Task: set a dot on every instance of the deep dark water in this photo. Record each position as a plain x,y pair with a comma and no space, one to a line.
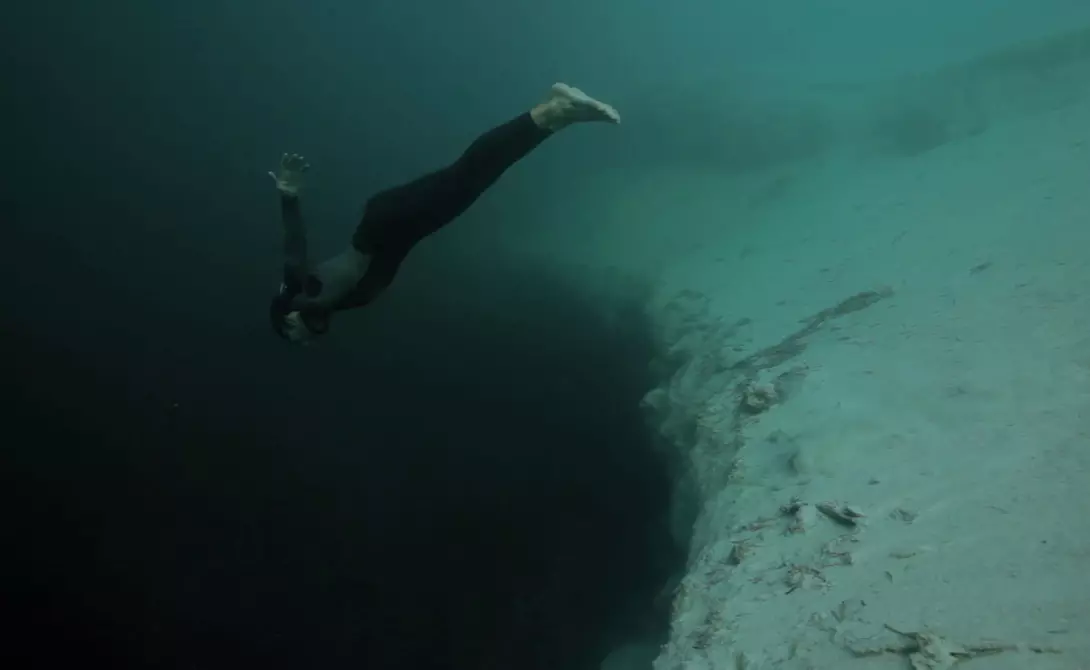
451,483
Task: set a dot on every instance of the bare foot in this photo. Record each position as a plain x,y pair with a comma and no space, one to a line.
567,105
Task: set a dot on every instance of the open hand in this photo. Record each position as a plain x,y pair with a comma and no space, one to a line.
290,179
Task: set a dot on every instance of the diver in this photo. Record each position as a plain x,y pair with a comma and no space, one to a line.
395,220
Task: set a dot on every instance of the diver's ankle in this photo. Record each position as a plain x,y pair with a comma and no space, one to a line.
547,117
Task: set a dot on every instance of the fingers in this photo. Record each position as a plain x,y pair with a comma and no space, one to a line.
294,163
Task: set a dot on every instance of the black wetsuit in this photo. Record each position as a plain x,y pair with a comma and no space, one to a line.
393,222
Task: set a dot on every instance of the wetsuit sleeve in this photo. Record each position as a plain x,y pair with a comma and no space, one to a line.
295,244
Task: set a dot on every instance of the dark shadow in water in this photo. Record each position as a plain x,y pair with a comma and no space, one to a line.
476,490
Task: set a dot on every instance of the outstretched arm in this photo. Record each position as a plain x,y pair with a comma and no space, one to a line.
288,182
296,264
328,284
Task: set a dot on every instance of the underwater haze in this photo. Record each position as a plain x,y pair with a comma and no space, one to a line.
461,475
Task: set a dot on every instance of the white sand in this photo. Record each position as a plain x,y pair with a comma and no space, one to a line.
954,412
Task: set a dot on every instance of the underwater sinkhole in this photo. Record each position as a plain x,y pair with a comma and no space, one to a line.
469,484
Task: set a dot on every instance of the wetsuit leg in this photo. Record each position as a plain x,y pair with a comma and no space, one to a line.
400,217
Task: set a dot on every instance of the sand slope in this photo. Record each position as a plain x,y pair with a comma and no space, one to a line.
907,340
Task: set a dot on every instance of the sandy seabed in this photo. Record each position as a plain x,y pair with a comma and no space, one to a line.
879,386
